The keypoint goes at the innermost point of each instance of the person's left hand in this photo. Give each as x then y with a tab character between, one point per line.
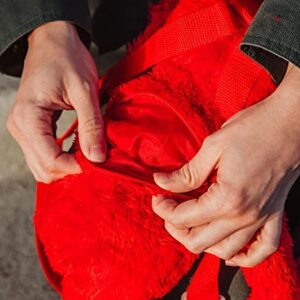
257	156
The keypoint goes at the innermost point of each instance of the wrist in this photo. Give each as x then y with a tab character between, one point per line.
56	31
285	107
287	96
290	86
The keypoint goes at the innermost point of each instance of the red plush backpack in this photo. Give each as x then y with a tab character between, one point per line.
97	235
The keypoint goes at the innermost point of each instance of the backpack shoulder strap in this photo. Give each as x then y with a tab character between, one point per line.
190	31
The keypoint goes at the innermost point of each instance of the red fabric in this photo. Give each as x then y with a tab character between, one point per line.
205	281
96	230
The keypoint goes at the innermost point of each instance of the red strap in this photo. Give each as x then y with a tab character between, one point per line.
71	130
186	33
233	91
204	284
204	26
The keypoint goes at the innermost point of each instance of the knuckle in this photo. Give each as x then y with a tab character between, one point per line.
221	253
18	117
225	254
46	178
210	141
86	88
10	125
50	167
177	222
168	226
248	263
253	216
38	178
240	205
188	176
226	257
236	202
270	249
192	246
92	125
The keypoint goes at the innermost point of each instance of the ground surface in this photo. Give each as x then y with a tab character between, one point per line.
20	275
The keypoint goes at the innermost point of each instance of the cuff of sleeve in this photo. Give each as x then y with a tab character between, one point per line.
273	62
273	39
13	46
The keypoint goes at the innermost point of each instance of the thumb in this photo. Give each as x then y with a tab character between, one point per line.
192	174
91	126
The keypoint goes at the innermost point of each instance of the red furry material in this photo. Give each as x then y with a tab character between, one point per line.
98	231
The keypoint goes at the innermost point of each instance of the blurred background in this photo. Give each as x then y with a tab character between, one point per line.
20	273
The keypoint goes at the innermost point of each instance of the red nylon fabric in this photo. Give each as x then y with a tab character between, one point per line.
202	27
98	237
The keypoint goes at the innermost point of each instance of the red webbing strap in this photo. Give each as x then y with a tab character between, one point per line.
236	82
204	284
68	133
202	27
186	33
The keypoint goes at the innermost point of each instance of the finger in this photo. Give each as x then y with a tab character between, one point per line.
194	212
31	163
25	147
53	162
194	173
231	245
266	243
90	124
46	159
166	209
198	239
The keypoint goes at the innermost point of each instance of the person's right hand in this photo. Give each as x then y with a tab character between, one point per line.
59	74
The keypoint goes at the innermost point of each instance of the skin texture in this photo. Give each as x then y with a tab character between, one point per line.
59	74
257	155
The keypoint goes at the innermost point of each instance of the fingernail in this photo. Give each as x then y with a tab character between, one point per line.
230	263
161	178
157	198
184	296
96	154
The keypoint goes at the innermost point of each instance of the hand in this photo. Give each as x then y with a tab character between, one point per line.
59	74
257	156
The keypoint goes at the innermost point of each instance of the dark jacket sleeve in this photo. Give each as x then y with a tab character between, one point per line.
273	39
20	17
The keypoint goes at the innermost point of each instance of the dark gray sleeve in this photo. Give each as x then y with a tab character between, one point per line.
273	39
20	17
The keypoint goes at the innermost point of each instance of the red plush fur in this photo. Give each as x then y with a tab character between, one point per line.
98	229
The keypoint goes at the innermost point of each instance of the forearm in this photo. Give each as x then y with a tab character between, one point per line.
18	18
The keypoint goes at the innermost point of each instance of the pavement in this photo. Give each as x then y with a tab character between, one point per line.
21	277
